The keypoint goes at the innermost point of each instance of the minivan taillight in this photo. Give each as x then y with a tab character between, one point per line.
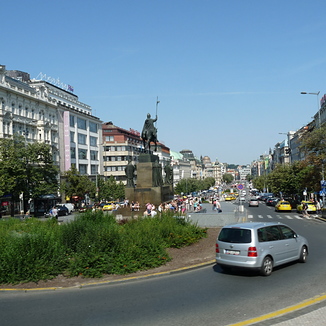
252	252
217	249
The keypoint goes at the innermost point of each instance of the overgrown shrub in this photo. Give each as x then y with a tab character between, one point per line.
92	245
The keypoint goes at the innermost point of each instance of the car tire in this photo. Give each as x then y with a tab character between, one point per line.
267	266
303	254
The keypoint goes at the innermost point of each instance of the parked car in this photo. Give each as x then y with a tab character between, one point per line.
109	207
311	207
70	206
272	201
230	197
253	202
62	210
283	205
259	245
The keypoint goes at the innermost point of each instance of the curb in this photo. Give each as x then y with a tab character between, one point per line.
321	218
125	279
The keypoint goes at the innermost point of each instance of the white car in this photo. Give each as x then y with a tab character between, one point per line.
253	202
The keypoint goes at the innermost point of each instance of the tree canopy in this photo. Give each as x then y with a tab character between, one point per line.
26	168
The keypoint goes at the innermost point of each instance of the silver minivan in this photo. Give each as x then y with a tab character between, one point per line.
259	245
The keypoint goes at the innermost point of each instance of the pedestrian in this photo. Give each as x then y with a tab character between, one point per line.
55	212
318	207
214	205
149	209
305	210
218	206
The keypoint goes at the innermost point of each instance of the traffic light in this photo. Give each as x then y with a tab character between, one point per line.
288	151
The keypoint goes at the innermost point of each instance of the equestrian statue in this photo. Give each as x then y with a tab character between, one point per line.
149	133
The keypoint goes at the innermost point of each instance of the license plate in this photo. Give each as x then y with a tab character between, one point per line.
232	252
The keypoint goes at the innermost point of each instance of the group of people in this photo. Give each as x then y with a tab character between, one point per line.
179	205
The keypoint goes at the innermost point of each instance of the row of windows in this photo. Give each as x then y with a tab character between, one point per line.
122	149
82	154
114	168
82	124
111	138
82	139
83	169
116	158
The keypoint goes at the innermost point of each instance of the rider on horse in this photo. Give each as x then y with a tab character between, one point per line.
149	132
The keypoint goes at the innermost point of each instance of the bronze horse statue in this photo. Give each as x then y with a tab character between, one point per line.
149	133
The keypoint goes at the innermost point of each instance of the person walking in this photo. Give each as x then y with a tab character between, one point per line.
305	210
318	207
218	206
54	212
214	205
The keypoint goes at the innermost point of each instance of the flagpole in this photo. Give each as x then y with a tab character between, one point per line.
157	102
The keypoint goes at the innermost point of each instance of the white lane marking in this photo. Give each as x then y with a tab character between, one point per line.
269	216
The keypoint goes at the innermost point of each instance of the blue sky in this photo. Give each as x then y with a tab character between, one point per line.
228	74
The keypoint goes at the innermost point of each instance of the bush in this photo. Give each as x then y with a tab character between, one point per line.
92	245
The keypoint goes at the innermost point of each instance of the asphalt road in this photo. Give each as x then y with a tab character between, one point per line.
203	296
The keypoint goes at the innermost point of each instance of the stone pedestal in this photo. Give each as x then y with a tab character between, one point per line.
149	189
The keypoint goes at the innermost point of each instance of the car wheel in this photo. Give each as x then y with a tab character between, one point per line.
267	266
66	213
303	254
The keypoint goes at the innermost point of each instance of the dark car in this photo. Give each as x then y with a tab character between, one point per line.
272	201
62	210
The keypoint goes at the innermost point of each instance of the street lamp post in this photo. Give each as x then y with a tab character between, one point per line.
318	109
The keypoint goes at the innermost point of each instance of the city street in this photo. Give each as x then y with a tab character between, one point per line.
202	296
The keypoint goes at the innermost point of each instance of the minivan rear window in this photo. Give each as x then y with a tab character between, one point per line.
235	235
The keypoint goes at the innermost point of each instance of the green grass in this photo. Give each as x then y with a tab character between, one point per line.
91	246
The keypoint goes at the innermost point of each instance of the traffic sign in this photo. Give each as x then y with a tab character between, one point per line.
240	187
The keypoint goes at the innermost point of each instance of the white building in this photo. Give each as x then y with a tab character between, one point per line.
27	111
43	112
80	133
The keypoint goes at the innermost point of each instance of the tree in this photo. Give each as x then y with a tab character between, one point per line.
75	184
313	145
208	182
186	186
26	168
249	177
111	190
227	178
260	182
